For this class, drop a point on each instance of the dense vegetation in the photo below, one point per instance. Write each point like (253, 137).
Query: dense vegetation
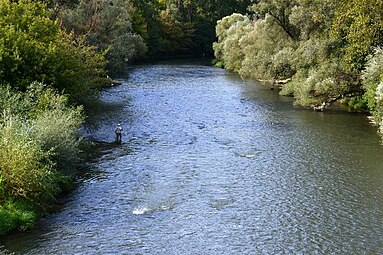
(182, 27)
(55, 55)
(39, 137)
(326, 51)
(131, 29)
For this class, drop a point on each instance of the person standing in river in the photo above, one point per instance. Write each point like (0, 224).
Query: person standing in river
(118, 132)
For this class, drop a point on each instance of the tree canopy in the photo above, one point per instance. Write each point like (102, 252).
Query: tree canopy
(187, 25)
(329, 51)
(33, 47)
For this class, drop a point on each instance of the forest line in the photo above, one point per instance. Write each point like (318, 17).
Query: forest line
(325, 51)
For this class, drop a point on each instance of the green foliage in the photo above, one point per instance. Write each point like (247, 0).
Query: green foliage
(311, 53)
(372, 77)
(39, 150)
(16, 214)
(373, 84)
(356, 103)
(184, 26)
(323, 85)
(378, 112)
(312, 18)
(288, 89)
(230, 31)
(279, 11)
(27, 35)
(177, 36)
(267, 52)
(107, 26)
(56, 127)
(39, 130)
(34, 48)
(358, 26)
(282, 67)
(125, 49)
(25, 167)
(150, 24)
(291, 40)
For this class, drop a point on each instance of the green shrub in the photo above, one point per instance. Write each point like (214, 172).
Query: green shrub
(372, 76)
(25, 168)
(356, 103)
(12, 102)
(372, 82)
(56, 126)
(39, 151)
(325, 84)
(282, 67)
(57, 130)
(39, 145)
(288, 89)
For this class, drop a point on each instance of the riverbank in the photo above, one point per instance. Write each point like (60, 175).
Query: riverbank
(39, 124)
(209, 156)
(19, 215)
(40, 149)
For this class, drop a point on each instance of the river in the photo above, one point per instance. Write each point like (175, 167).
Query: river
(212, 164)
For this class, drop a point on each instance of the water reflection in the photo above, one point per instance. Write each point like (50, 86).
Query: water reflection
(211, 164)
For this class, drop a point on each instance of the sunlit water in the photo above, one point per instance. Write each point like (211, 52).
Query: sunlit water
(211, 164)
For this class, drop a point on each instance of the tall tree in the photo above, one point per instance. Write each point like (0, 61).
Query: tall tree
(34, 48)
(150, 10)
(107, 25)
(358, 26)
(188, 25)
(280, 10)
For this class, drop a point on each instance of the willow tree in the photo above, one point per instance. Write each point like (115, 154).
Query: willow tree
(280, 11)
(230, 31)
(107, 25)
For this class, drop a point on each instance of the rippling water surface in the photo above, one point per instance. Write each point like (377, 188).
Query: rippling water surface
(211, 164)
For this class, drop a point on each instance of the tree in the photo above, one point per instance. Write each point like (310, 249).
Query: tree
(177, 35)
(280, 10)
(187, 25)
(313, 18)
(358, 27)
(34, 48)
(372, 80)
(107, 26)
(150, 9)
(230, 31)
(267, 52)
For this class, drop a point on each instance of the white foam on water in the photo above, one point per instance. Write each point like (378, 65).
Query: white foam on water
(146, 210)
(140, 210)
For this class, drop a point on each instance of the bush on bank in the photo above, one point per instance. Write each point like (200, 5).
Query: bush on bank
(39, 147)
(39, 129)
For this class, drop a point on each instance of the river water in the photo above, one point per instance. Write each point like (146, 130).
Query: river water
(212, 164)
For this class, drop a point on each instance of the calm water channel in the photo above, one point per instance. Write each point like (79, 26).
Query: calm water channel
(211, 164)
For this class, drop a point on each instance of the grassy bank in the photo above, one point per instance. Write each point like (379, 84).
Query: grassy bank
(16, 215)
